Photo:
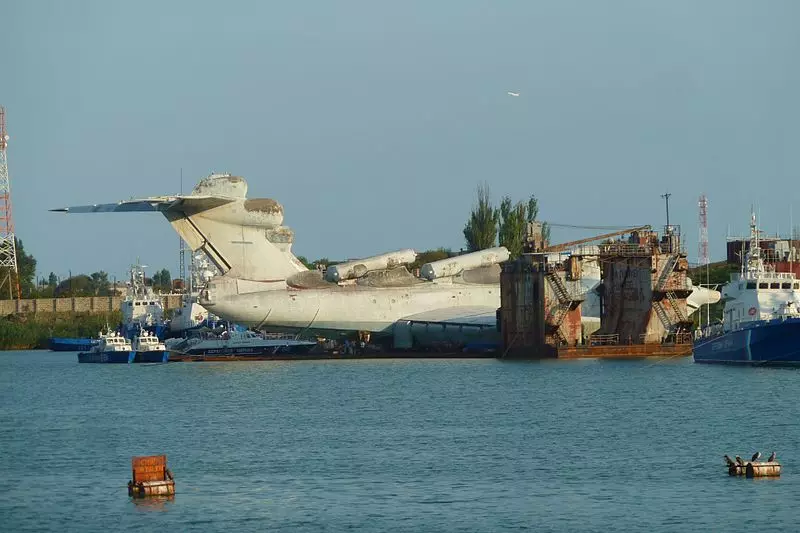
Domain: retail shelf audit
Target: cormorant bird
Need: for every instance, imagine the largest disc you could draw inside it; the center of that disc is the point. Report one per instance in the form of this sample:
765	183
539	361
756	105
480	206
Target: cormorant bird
756	456
739	461
729	461
771	457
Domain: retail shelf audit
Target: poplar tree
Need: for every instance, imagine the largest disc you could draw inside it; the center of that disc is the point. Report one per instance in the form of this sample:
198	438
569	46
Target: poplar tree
480	231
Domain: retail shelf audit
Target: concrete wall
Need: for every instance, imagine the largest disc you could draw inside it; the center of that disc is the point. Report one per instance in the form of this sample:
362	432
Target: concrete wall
84	304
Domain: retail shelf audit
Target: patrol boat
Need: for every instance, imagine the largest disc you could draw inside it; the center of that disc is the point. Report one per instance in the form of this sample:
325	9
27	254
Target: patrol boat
149	349
110	348
232	344
761	320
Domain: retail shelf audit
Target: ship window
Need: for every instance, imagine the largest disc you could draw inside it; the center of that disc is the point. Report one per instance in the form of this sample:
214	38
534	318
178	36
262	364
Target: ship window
751	284
797	286
775	286
763	285
786	285
138	303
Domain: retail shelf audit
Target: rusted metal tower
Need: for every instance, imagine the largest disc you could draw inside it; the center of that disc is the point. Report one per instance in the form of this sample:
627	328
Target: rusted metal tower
9	274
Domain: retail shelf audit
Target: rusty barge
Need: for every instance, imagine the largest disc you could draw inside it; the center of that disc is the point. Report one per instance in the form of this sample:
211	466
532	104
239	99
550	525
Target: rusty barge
642	298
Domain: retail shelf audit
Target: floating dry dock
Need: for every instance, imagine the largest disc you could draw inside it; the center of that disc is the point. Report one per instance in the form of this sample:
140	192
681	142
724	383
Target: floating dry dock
756	469
150	477
643	293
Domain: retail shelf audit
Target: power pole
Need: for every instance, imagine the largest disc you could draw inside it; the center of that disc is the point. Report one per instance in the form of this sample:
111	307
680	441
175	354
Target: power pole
8	242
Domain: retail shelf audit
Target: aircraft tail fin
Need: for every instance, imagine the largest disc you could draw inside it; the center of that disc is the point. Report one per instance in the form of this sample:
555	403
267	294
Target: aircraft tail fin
244	238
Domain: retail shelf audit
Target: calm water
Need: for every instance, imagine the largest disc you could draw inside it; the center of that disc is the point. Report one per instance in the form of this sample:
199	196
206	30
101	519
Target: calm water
403	445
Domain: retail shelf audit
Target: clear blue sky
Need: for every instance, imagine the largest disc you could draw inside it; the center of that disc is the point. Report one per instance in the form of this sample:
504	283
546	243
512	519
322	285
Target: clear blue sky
372	122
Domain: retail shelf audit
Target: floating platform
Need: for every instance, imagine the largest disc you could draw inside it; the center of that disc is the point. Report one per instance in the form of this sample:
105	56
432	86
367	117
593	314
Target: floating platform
150	477
325	356
756	469
625	351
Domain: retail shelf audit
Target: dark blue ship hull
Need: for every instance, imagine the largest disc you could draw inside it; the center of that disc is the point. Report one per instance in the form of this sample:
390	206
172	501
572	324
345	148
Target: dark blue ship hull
775	342
152	356
277	348
106	357
64	344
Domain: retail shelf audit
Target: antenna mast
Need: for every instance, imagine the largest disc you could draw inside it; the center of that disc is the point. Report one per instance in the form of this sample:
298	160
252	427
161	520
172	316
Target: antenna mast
702	244
182	250
8	244
666	196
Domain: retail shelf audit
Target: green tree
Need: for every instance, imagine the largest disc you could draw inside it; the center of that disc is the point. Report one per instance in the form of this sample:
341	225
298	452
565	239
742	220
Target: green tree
429	256
533	213
99	285
513	223
52	280
480	230
80	285
305	262
26	274
162	279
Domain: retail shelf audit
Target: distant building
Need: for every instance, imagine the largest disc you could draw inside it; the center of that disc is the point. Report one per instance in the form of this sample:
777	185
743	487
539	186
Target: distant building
781	253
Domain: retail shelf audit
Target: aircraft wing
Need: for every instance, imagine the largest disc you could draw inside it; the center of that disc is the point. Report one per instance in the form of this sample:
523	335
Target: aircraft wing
155	203
471	315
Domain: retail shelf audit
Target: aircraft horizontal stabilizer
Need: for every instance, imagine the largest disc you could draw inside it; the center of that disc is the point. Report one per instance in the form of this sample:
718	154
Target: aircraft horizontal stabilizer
156	203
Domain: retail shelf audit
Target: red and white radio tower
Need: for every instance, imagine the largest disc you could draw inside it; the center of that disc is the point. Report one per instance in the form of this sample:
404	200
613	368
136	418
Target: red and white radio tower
8	246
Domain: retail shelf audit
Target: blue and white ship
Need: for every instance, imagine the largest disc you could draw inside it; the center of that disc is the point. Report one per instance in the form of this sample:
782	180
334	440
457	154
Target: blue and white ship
761	320
241	344
148	349
142	309
110	348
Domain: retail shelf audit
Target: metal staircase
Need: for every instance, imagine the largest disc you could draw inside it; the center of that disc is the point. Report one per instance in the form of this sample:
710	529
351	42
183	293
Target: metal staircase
675	307
565	303
669	266
559	288
662	315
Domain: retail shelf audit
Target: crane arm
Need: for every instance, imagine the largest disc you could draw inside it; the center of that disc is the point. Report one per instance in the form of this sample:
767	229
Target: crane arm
567	245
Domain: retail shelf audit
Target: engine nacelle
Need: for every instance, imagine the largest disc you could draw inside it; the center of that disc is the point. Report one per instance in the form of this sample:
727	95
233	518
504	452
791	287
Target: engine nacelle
358	268
451	266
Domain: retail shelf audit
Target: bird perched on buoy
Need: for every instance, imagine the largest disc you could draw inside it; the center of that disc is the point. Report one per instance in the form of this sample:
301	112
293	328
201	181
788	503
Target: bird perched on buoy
739	461
756	456
729	461
771	457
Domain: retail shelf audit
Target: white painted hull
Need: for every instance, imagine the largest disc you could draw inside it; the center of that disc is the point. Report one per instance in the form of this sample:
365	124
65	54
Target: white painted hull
347	308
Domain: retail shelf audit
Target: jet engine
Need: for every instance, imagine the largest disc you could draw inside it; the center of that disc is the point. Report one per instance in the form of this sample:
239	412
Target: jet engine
359	267
451	266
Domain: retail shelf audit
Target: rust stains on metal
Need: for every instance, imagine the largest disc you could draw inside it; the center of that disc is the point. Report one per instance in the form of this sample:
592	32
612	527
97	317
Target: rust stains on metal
150	477
264	205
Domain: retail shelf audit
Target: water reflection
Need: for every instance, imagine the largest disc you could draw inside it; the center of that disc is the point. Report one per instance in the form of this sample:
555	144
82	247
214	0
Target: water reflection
153	503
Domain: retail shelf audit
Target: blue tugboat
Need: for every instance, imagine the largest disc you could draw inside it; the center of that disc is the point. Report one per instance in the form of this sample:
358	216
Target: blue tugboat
111	348
761	321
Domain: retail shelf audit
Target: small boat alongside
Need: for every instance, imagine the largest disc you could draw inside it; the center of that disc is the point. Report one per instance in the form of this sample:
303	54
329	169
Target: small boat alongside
148	349
761	320
234	345
110	348
67	344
